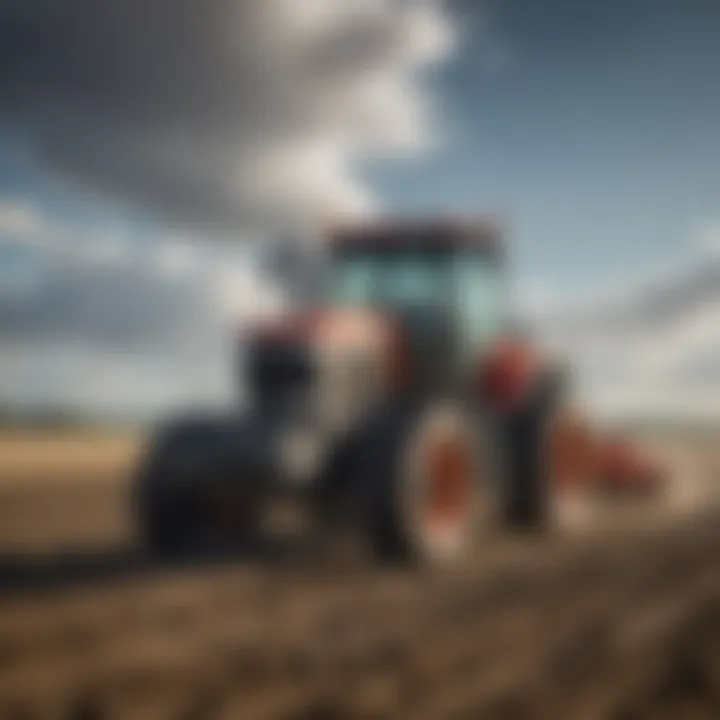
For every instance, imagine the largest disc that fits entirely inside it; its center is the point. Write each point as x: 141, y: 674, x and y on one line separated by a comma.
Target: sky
x: 147, y: 146
x: 592, y: 126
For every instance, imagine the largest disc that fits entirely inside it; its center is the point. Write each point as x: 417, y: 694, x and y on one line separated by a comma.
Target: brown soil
x: 607, y: 624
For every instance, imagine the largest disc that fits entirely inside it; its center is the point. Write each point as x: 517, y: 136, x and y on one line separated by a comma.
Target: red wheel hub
x: 449, y: 484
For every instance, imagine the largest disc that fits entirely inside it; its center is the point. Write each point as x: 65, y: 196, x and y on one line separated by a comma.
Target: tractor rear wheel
x: 429, y: 486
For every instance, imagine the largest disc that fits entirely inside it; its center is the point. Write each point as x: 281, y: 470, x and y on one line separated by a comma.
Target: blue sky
x: 596, y: 131
x: 127, y: 153
x: 592, y: 127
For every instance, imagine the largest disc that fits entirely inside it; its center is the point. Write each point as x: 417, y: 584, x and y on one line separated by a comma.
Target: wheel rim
x: 448, y: 496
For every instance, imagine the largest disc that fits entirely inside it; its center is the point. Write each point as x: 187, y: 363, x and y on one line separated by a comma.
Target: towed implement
x: 398, y: 402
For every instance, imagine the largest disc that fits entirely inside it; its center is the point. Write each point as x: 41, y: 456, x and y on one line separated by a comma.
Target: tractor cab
x: 443, y: 280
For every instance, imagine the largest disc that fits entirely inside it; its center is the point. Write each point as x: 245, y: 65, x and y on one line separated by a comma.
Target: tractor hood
x: 324, y: 329
x: 328, y: 363
x: 407, y: 350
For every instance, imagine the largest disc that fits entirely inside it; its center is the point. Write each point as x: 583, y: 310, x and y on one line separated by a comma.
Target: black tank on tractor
x: 397, y: 402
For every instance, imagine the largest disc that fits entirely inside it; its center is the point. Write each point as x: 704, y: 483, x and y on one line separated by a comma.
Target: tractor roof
x: 426, y: 233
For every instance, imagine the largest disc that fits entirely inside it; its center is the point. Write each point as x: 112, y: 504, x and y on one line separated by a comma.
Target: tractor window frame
x: 488, y: 316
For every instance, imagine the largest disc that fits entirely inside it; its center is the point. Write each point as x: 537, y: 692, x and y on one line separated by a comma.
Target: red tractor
x: 398, y: 401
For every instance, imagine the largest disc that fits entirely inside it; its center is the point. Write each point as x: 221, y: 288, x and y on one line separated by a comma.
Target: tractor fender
x: 512, y: 374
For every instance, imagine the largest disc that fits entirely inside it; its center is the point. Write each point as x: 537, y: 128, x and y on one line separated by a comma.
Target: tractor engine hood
x: 326, y: 329
x: 323, y: 366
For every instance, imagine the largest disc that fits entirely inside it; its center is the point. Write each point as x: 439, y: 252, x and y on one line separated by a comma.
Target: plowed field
x: 618, y: 621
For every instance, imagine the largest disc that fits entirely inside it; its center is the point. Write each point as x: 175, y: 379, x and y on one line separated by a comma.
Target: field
x: 620, y: 620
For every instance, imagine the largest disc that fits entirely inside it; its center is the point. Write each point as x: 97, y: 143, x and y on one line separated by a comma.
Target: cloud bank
x: 100, y: 323
x: 226, y: 118
x: 232, y: 113
x: 650, y: 349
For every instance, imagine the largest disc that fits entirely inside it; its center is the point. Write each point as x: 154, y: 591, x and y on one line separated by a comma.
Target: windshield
x: 469, y: 284
x: 383, y: 279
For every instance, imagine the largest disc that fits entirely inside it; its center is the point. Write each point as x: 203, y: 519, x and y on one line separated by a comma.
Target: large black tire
x: 397, y: 488
x: 167, y: 525
x: 164, y: 510
x: 530, y: 495
x: 171, y: 498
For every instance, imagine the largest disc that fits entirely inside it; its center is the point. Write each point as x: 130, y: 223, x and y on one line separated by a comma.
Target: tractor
x: 400, y: 400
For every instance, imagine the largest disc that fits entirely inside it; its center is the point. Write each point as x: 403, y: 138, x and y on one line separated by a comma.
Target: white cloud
x: 53, y: 374
x: 107, y: 249
x: 709, y: 239
x: 175, y: 258
x: 107, y: 322
x: 240, y: 118
x: 20, y: 222
x: 649, y: 348
x: 225, y: 112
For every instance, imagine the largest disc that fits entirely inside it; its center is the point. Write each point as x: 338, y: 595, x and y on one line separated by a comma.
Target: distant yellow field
x: 45, y: 456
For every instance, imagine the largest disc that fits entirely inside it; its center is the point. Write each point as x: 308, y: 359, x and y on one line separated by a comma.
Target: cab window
x: 389, y: 279
x: 479, y: 294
